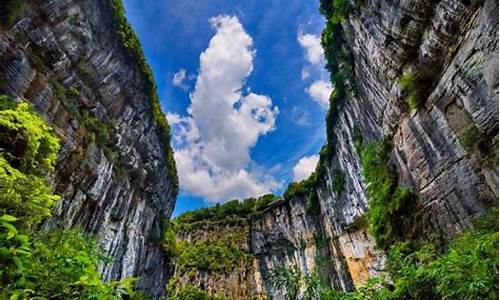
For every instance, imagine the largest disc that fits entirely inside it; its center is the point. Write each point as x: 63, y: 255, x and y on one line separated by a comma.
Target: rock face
x: 66, y: 58
x: 456, y: 47
x: 446, y: 150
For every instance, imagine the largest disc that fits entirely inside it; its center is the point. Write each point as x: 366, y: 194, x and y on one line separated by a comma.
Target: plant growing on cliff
x: 41, y: 264
x: 11, y: 11
x: 467, y: 270
x: 389, y: 213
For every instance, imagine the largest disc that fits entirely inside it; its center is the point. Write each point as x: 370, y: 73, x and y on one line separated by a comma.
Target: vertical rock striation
x: 67, y: 59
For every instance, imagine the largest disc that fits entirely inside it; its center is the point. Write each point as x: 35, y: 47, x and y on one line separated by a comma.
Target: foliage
x: 231, y: 211
x: 390, y: 204
x: 26, y: 141
x: 305, y: 189
x: 287, y: 280
x: 219, y: 254
x: 338, y: 181
x: 409, y: 82
x: 57, y: 263
x: 467, y: 270
x: 169, y: 243
x: 188, y: 292
x: 28, y: 149
x: 470, y: 138
x: 11, y: 11
x: 133, y: 46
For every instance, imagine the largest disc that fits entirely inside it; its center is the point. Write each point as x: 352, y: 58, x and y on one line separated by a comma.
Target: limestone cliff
x: 114, y: 172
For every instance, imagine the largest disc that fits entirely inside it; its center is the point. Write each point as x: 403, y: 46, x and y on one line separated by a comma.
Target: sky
x: 244, y: 88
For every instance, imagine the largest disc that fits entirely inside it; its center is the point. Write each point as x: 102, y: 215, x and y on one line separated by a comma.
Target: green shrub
x: 28, y: 150
x: 470, y: 138
x: 169, y: 243
x: 389, y: 204
x: 220, y: 254
x: 338, y: 181
x: 11, y: 11
x: 176, y: 291
x: 231, y: 211
x: 287, y: 280
x: 409, y: 83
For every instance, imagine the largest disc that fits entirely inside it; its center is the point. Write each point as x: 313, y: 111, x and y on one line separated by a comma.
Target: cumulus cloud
x: 311, y: 43
x: 304, y: 167
x: 213, y: 141
x: 178, y: 79
x: 320, y: 91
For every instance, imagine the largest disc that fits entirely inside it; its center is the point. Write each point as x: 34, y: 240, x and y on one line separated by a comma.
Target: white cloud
x: 312, y: 44
x: 320, y: 91
x: 213, y: 142
x: 178, y: 79
x: 305, y: 167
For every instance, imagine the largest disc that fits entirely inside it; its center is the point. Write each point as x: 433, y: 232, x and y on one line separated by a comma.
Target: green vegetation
x: 231, y: 212
x: 286, y: 280
x: 98, y: 133
x: 28, y: 150
x: 11, y: 11
x: 467, y: 270
x: 219, y: 254
x: 176, y: 291
x: 54, y: 264
x: 470, y: 138
x: 338, y: 181
x: 305, y: 189
x: 410, y: 83
x: 133, y: 46
x: 389, y: 215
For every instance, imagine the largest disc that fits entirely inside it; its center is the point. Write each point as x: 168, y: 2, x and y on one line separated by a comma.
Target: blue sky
x: 245, y: 114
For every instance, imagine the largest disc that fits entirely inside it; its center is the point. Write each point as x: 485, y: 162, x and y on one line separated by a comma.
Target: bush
x: 11, y: 11
x: 28, y: 150
x: 338, y: 181
x: 188, y: 292
x: 389, y: 211
x: 470, y: 138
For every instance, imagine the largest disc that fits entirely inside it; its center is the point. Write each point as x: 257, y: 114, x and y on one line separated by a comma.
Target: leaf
x: 8, y: 218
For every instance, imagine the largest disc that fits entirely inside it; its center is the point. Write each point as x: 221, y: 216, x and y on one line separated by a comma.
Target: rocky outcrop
x: 455, y: 46
x: 66, y: 58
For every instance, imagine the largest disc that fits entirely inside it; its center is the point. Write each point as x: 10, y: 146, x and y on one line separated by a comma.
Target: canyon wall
x: 68, y: 59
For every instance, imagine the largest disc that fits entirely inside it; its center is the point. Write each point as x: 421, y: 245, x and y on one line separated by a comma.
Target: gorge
x: 409, y: 166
